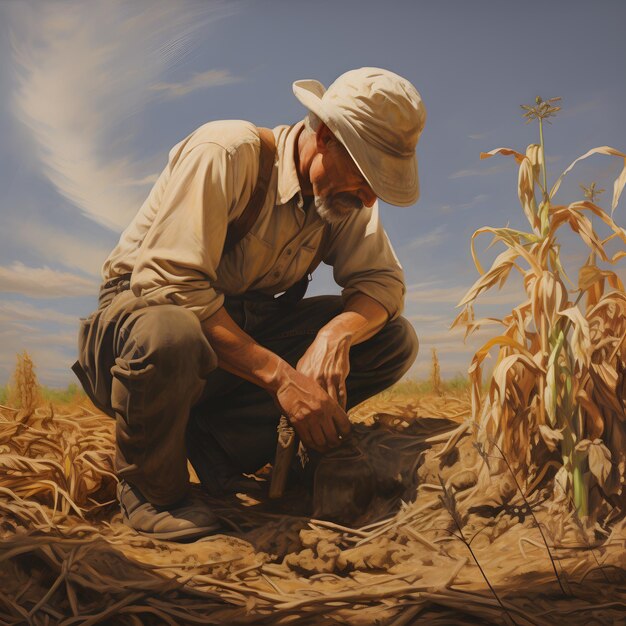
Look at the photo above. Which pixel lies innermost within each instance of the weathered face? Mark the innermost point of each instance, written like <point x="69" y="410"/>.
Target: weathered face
<point x="338" y="185"/>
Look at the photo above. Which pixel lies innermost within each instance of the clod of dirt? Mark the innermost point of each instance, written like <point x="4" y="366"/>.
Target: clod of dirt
<point x="381" y="554"/>
<point x="319" y="555"/>
<point x="463" y="480"/>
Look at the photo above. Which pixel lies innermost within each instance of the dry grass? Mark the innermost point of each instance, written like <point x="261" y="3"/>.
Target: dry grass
<point x="67" y="558"/>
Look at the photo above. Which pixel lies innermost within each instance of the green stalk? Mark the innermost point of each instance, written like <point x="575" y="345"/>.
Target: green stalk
<point x="573" y="460"/>
<point x="580" y="487"/>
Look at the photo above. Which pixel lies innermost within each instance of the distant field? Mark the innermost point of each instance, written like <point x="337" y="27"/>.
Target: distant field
<point x="406" y="387"/>
<point x="71" y="393"/>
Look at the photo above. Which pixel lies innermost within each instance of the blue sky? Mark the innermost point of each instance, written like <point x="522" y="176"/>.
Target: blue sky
<point x="95" y="93"/>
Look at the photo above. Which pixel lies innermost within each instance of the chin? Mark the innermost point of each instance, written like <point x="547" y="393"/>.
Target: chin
<point x="328" y="213"/>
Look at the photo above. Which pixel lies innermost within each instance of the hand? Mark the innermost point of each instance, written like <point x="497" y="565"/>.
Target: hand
<point x="327" y="362"/>
<point x="316" y="417"/>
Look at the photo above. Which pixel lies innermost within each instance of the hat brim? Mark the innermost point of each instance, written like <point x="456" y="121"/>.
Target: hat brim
<point x="394" y="179"/>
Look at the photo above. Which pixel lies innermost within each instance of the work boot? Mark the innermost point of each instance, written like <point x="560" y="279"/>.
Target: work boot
<point x="185" y="521"/>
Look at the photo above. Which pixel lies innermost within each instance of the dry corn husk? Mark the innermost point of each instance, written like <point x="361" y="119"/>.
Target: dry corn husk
<point x="557" y="388"/>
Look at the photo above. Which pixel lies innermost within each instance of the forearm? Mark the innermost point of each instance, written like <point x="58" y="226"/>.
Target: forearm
<point x="240" y="354"/>
<point x="361" y="319"/>
<point x="315" y="415"/>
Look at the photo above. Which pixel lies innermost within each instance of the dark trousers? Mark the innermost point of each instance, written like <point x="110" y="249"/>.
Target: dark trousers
<point x="152" y="368"/>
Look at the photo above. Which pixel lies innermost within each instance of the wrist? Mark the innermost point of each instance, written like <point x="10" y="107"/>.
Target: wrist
<point x="272" y="379"/>
<point x="339" y="328"/>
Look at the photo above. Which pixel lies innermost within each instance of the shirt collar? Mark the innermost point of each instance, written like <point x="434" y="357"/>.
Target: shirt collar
<point x="288" y="183"/>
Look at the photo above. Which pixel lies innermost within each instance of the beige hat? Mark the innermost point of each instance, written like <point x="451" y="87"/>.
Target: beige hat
<point x="378" y="116"/>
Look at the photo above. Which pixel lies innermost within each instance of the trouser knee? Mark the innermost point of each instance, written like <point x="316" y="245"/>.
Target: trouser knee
<point x="381" y="361"/>
<point x="162" y="350"/>
<point x="167" y="337"/>
<point x="404" y="338"/>
<point x="393" y="349"/>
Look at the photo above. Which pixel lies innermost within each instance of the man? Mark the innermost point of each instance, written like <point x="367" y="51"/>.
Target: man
<point x="188" y="324"/>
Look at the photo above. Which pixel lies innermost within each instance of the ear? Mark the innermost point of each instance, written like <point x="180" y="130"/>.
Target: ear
<point x="323" y="136"/>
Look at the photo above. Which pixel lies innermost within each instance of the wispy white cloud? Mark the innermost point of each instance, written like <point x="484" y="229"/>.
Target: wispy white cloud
<point x="452" y="340"/>
<point x="428" y="293"/>
<point x="43" y="282"/>
<point x="425" y="319"/>
<point x="431" y="238"/>
<point x="58" y="246"/>
<point x="475" y="201"/>
<point x="83" y="73"/>
<point x="200" y="80"/>
<point x="12" y="312"/>
<point x="481" y="171"/>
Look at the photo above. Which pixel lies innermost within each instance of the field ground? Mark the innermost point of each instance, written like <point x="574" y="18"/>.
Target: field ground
<point x="66" y="557"/>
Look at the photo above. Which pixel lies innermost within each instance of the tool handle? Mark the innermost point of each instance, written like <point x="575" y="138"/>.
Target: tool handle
<point x="285" y="450"/>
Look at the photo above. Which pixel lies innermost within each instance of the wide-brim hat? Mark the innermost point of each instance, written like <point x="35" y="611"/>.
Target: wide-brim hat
<point x="378" y="116"/>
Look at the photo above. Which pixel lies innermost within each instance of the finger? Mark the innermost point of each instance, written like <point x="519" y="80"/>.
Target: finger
<point x="342" y="395"/>
<point x="330" y="432"/>
<point x="342" y="422"/>
<point x="341" y="427"/>
<point x="318" y="438"/>
<point x="303" y="432"/>
<point x="331" y="390"/>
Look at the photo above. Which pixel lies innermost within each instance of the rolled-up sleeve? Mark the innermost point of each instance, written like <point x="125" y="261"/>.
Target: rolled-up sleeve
<point x="364" y="261"/>
<point x="179" y="256"/>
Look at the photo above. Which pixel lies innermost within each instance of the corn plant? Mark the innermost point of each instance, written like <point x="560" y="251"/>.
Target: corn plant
<point x="435" y="374"/>
<point x="25" y="392"/>
<point x="557" y="394"/>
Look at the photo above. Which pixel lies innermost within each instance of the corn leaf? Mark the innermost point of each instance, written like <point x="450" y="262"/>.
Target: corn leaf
<point x="619" y="183"/>
<point x="591" y="274"/>
<point x="594" y="208"/>
<point x="501" y="266"/>
<point x="547" y="297"/>
<point x="500" y="340"/>
<point x="550" y="437"/>
<point x="511" y="238"/>
<point x="526" y="193"/>
<point x="599" y="461"/>
<point x="551" y="393"/>
<point x="535" y="156"/>
<point x="504" y="151"/>
<point x="595" y="421"/>
<point x="503" y="368"/>
<point x="466" y="316"/>
<point x="580" y="340"/>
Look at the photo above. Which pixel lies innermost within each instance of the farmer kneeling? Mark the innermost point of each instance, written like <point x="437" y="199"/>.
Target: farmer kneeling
<point x="193" y="350"/>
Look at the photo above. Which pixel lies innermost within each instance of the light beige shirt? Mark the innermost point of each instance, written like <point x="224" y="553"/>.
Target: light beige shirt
<point x="173" y="247"/>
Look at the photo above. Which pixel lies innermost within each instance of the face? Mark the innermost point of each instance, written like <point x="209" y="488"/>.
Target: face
<point x="338" y="186"/>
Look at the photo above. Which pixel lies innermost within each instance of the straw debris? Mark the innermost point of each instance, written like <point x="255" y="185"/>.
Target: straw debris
<point x="66" y="558"/>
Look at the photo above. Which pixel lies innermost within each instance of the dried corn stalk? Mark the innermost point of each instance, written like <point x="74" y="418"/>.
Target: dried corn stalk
<point x="25" y="392"/>
<point x="557" y="391"/>
<point x="435" y="374"/>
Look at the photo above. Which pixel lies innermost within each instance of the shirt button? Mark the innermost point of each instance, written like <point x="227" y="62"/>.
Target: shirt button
<point x="288" y="250"/>
<point x="276" y="274"/>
